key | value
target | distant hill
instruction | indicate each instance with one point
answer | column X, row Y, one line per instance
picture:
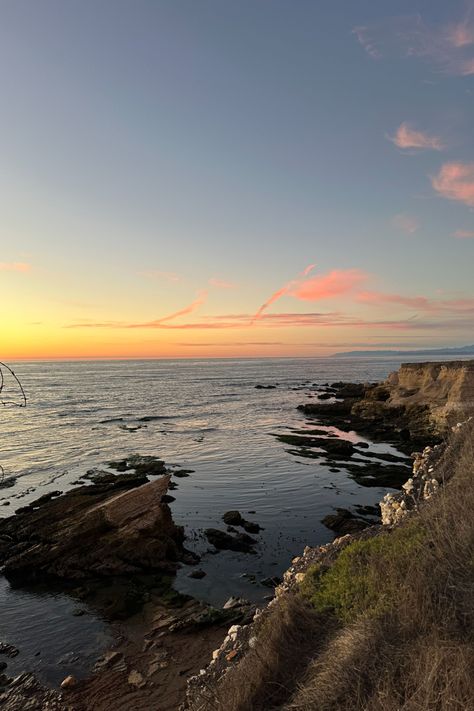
column 460, row 351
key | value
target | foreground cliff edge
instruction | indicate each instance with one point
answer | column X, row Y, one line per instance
column 381, row 619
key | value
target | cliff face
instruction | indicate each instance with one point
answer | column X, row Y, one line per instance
column 445, row 389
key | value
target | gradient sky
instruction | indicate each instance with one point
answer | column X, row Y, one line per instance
column 235, row 177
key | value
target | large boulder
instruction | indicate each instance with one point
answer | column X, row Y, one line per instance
column 93, row 532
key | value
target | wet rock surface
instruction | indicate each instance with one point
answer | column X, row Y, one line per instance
column 93, row 531
column 221, row 540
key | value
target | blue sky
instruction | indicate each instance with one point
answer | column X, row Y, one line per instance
column 149, row 147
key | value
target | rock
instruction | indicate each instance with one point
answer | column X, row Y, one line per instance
column 3, row 666
column 145, row 465
column 136, row 679
column 271, row 582
column 231, row 655
column 197, row 574
column 8, row 649
column 265, row 387
column 93, row 532
column 344, row 522
column 27, row 694
column 234, row 602
column 233, row 518
column 69, row 682
column 224, row 541
column 180, row 473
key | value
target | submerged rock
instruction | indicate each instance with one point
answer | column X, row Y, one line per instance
column 343, row 522
column 224, row 541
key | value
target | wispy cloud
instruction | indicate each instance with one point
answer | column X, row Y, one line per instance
column 418, row 303
column 449, row 48
column 407, row 137
column 464, row 319
column 14, row 267
column 464, row 234
column 221, row 283
column 282, row 291
column 405, row 223
column 455, row 181
column 198, row 301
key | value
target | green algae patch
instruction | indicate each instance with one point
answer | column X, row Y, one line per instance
column 366, row 576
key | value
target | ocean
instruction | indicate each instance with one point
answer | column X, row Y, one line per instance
column 204, row 415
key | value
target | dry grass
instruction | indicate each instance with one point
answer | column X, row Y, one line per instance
column 414, row 654
column 419, row 656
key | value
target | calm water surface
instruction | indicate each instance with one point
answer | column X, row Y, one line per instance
column 209, row 418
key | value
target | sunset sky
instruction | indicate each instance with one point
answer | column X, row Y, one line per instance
column 196, row 178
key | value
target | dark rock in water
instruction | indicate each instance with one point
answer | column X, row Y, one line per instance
column 93, row 532
column 223, row 541
column 3, row 666
column 146, row 465
column 344, row 522
column 99, row 476
column 265, row 387
column 8, row 649
column 348, row 390
column 6, row 483
column 182, row 472
column 43, row 500
column 167, row 499
column 197, row 574
column 233, row 518
column 251, row 527
column 324, row 396
column 368, row 510
column 271, row 582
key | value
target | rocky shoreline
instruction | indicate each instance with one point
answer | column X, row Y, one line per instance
column 112, row 543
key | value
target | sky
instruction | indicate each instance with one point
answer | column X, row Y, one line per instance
column 224, row 178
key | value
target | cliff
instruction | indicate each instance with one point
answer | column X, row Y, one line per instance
column 445, row 389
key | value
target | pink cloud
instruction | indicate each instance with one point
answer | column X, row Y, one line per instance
column 464, row 234
column 14, row 267
column 281, row 292
column 408, row 137
column 461, row 35
column 326, row 286
column 406, row 223
column 455, row 181
column 221, row 284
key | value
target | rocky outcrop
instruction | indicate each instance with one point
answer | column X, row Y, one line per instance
column 415, row 405
column 97, row 531
column 428, row 475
